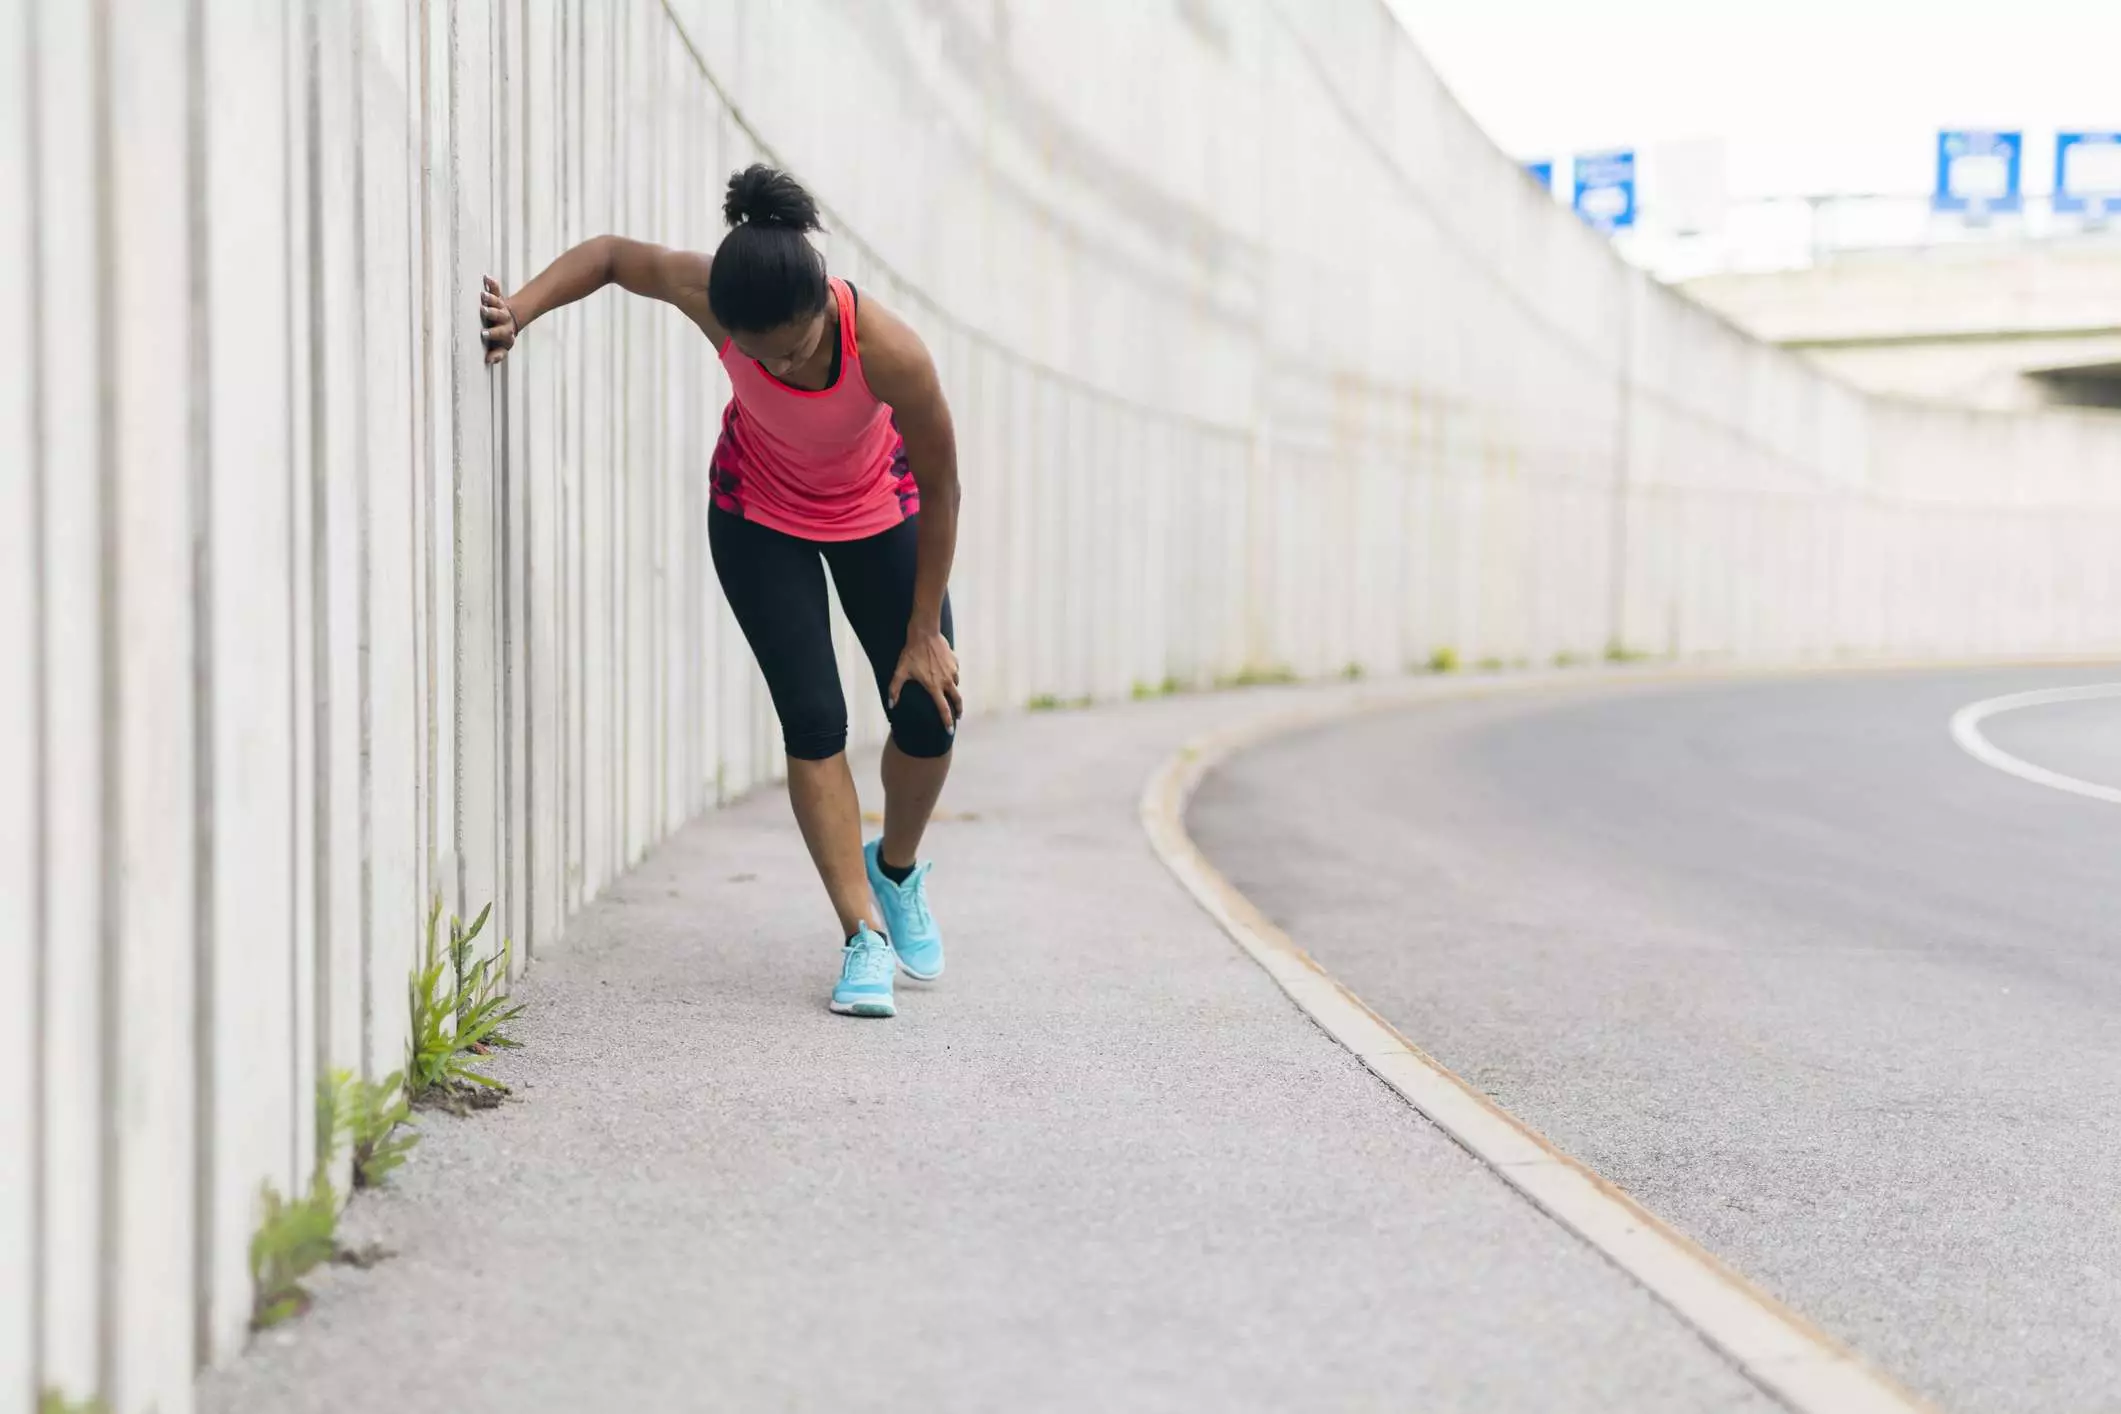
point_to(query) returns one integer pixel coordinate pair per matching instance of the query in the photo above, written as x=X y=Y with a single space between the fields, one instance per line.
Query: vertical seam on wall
x=456 y=482
x=424 y=467
x=624 y=566
x=530 y=564
x=503 y=482
x=294 y=710
x=1623 y=453
x=614 y=501
x=658 y=507
x=577 y=735
x=363 y=553
x=694 y=713
x=204 y=971
x=40 y=675
x=515 y=132
x=414 y=414
x=110 y=742
x=319 y=568
x=567 y=721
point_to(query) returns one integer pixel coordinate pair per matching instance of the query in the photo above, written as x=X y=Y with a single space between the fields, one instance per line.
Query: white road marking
x=1966 y=730
x=1794 y=1361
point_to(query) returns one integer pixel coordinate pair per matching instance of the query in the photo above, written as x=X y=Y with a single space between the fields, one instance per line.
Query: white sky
x=1811 y=96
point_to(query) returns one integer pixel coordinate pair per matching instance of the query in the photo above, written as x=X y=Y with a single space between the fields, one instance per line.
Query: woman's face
x=784 y=350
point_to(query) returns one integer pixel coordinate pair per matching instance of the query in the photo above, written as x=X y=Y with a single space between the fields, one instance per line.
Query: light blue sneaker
x=914 y=936
x=865 y=977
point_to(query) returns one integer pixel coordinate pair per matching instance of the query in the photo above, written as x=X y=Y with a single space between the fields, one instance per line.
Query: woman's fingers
x=947 y=701
x=498 y=321
x=493 y=308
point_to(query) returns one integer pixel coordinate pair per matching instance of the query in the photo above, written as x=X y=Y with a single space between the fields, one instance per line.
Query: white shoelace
x=917 y=896
x=868 y=961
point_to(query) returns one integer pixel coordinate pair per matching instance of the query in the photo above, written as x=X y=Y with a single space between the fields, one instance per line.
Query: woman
x=836 y=449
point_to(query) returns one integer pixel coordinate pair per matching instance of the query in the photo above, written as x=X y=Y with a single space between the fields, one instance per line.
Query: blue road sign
x=1605 y=188
x=1979 y=172
x=1542 y=173
x=2088 y=173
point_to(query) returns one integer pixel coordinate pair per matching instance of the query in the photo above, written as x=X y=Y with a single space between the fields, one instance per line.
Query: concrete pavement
x=1104 y=1164
x=1776 y=957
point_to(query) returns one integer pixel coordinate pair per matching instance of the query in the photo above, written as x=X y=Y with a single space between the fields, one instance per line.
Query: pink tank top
x=823 y=465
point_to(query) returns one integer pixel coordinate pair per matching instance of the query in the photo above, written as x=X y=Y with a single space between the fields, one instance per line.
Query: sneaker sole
x=919 y=976
x=876 y=1009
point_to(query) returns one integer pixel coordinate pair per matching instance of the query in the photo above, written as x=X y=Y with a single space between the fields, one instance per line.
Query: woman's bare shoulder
x=888 y=342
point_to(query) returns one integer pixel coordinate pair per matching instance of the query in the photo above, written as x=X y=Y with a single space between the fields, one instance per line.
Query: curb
x=1789 y=1358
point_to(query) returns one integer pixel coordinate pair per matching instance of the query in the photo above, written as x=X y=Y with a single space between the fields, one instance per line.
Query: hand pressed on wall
x=500 y=321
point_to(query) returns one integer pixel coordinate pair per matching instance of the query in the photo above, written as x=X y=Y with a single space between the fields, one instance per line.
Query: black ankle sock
x=891 y=871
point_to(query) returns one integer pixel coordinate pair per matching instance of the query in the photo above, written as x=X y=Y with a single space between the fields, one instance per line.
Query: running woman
x=836 y=451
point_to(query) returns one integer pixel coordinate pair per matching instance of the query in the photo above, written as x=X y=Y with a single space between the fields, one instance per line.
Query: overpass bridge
x=2003 y=326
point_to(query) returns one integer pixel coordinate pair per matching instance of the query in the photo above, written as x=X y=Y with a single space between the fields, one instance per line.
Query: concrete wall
x=1262 y=357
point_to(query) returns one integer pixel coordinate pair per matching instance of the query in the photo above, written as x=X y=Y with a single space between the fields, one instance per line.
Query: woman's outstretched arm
x=676 y=277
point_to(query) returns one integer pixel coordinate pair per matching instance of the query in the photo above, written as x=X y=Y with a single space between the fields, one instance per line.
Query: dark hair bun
x=766 y=196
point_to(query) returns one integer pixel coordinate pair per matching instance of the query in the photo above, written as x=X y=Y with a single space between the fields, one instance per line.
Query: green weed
x=53 y=1402
x=478 y=983
x=364 y=1116
x=293 y=1240
x=1491 y=665
x=1566 y=659
x=1271 y=676
x=1353 y=672
x=1444 y=660
x=1618 y=652
x=1045 y=702
x=458 y=1010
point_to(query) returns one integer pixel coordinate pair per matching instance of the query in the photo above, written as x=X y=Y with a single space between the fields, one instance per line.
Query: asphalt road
x=1777 y=957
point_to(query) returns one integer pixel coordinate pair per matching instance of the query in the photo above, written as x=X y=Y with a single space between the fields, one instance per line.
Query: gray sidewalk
x=1103 y=1164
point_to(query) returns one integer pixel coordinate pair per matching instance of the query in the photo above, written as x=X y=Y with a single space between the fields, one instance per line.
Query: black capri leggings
x=775 y=585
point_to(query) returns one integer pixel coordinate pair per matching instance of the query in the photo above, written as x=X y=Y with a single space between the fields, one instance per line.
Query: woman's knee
x=917 y=727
